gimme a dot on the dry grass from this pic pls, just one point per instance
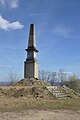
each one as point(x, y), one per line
point(16, 98)
point(31, 82)
point(26, 91)
point(19, 104)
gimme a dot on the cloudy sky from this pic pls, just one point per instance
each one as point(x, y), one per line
point(57, 31)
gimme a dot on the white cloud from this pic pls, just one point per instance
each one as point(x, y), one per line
point(62, 31)
point(5, 66)
point(68, 73)
point(35, 14)
point(2, 2)
point(6, 25)
point(66, 31)
point(13, 3)
point(10, 3)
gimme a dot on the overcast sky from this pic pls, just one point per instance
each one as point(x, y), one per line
point(57, 32)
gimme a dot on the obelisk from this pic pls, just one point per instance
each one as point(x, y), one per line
point(31, 66)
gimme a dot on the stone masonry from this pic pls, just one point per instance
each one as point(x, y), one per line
point(31, 66)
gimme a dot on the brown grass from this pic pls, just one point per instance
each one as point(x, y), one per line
point(22, 103)
point(16, 98)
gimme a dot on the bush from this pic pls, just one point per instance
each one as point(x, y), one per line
point(73, 83)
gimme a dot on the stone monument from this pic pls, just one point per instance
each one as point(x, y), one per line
point(31, 66)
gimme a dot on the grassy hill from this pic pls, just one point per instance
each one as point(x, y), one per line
point(33, 94)
point(31, 82)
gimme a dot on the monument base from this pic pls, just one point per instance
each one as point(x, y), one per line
point(31, 69)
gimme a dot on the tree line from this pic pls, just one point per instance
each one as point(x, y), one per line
point(62, 77)
point(52, 77)
point(68, 79)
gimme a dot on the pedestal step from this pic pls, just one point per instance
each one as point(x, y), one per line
point(59, 94)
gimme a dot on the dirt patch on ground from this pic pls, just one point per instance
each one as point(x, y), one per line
point(41, 115)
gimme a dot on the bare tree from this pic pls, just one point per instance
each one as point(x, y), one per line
point(62, 75)
point(13, 77)
point(53, 77)
point(47, 76)
point(44, 75)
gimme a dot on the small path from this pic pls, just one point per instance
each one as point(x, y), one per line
point(41, 115)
